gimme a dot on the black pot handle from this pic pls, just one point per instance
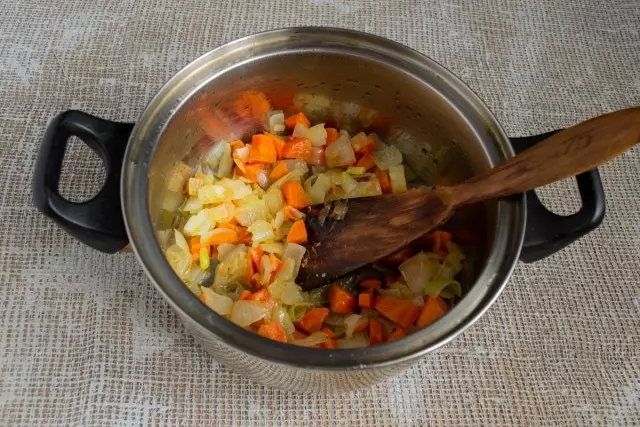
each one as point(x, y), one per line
point(97, 222)
point(547, 232)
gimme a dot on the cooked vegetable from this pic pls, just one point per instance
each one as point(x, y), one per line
point(233, 229)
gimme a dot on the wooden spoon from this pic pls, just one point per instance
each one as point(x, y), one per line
point(379, 226)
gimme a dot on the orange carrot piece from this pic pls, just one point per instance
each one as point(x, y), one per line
point(278, 142)
point(363, 144)
point(362, 325)
point(433, 309)
point(365, 299)
point(329, 343)
point(375, 332)
point(371, 284)
point(202, 298)
point(276, 264)
point(404, 312)
point(396, 334)
point(224, 236)
point(298, 233)
point(328, 331)
point(256, 255)
point(341, 301)
point(245, 295)
point(313, 319)
point(297, 148)
point(236, 144)
point(292, 121)
point(261, 295)
point(263, 149)
point(273, 330)
point(295, 195)
point(332, 135)
point(385, 182)
point(194, 248)
point(366, 162)
point(279, 171)
point(438, 240)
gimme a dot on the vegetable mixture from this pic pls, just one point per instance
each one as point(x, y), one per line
point(244, 218)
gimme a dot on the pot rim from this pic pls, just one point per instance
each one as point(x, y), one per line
point(510, 213)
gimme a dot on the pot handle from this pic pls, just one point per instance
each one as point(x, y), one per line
point(547, 232)
point(97, 222)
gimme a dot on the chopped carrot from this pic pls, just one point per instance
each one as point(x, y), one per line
point(340, 300)
point(295, 195)
point(278, 142)
point(328, 331)
point(297, 335)
point(261, 295)
point(375, 332)
point(229, 226)
point(279, 171)
point(252, 105)
point(366, 162)
point(438, 241)
point(292, 121)
point(363, 144)
point(313, 319)
point(433, 309)
point(292, 213)
point(332, 135)
point(263, 149)
point(297, 148)
point(399, 257)
point(251, 272)
point(396, 334)
point(203, 298)
point(256, 255)
point(365, 299)
point(402, 311)
point(252, 171)
point(276, 264)
point(194, 248)
point(274, 331)
point(371, 284)
point(236, 144)
point(245, 295)
point(298, 233)
point(223, 236)
point(329, 343)
point(385, 182)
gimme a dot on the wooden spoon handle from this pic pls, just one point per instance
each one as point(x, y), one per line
point(569, 152)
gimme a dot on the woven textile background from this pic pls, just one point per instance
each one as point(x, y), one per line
point(85, 339)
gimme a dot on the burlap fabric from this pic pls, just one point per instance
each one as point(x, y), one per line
point(85, 339)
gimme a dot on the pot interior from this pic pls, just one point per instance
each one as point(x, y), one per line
point(352, 81)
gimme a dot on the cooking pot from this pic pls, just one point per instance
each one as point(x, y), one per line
point(356, 81)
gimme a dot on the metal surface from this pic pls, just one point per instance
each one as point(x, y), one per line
point(355, 80)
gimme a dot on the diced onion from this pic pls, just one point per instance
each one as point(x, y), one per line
point(419, 270)
point(280, 315)
point(293, 175)
point(398, 181)
point(295, 164)
point(181, 241)
point(276, 121)
point(274, 200)
point(365, 189)
point(221, 304)
point(446, 288)
point(296, 253)
point(311, 340)
point(179, 175)
point(226, 162)
point(300, 130)
point(242, 153)
point(352, 322)
point(317, 157)
point(317, 135)
point(224, 250)
point(179, 260)
point(356, 341)
point(287, 292)
point(192, 204)
point(172, 200)
point(349, 184)
point(223, 212)
point(261, 231)
point(340, 153)
point(386, 156)
point(252, 212)
point(319, 189)
point(214, 156)
point(273, 248)
point(199, 224)
point(246, 312)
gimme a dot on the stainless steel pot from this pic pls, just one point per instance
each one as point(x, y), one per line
point(356, 80)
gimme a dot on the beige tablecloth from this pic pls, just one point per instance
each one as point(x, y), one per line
point(85, 339)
